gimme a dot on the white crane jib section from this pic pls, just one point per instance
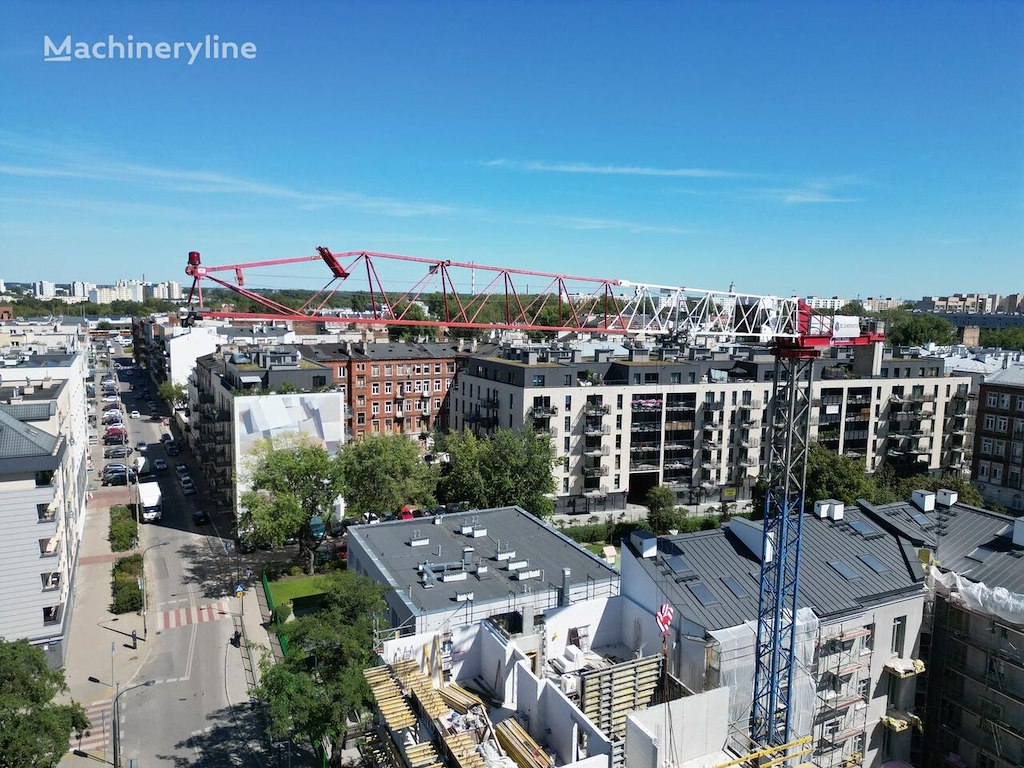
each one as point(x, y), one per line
point(697, 313)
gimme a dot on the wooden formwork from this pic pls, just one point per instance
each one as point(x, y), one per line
point(520, 746)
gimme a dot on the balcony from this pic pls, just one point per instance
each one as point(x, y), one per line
point(710, 445)
point(708, 466)
point(750, 423)
point(749, 461)
point(919, 397)
point(596, 430)
point(542, 411)
point(714, 405)
point(642, 467)
point(489, 401)
point(599, 471)
point(596, 409)
point(681, 407)
point(596, 493)
point(553, 431)
point(750, 442)
point(752, 405)
point(679, 426)
point(596, 450)
point(47, 513)
point(645, 405)
point(49, 547)
point(52, 614)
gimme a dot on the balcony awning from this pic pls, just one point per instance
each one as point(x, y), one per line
point(902, 668)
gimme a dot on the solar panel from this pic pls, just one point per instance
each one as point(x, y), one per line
point(844, 570)
point(735, 587)
point(702, 593)
point(873, 563)
point(979, 554)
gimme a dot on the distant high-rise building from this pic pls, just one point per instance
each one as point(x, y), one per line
point(877, 305)
point(173, 290)
point(79, 288)
point(961, 302)
point(831, 304)
point(44, 289)
point(3, 286)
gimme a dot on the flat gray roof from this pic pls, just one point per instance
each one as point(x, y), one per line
point(974, 542)
point(545, 548)
point(713, 578)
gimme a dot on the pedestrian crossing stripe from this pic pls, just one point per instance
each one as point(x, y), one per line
point(99, 730)
point(196, 614)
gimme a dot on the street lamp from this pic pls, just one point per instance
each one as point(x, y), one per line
point(145, 632)
point(117, 718)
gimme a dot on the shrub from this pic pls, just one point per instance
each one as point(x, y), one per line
point(124, 531)
point(296, 570)
point(282, 612)
point(125, 584)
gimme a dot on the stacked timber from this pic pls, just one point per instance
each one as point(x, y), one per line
point(520, 746)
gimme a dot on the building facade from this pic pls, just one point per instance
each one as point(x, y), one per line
point(697, 421)
point(43, 476)
point(998, 462)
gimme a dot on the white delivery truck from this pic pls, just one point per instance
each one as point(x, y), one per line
point(151, 501)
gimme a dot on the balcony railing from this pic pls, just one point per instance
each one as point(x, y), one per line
point(596, 493)
point(752, 405)
point(596, 430)
point(543, 411)
point(599, 471)
point(596, 409)
point(646, 405)
point(643, 467)
point(714, 405)
point(596, 450)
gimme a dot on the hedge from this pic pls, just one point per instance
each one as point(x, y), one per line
point(124, 531)
point(125, 584)
point(593, 532)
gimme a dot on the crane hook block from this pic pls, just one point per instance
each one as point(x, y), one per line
point(332, 262)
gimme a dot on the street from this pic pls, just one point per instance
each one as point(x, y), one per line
point(197, 712)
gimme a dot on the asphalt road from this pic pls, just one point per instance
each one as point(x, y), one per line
point(198, 712)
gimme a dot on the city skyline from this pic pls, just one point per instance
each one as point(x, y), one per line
point(869, 151)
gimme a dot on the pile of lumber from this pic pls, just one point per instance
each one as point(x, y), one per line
point(520, 746)
point(459, 699)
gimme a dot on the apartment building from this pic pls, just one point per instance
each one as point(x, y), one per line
point(391, 387)
point(972, 635)
point(30, 337)
point(961, 302)
point(43, 475)
point(237, 398)
point(823, 304)
point(861, 607)
point(998, 465)
point(696, 420)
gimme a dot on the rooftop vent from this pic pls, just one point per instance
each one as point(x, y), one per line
point(836, 510)
point(1018, 532)
point(532, 573)
point(507, 555)
point(645, 542)
point(946, 498)
point(464, 597)
point(515, 565)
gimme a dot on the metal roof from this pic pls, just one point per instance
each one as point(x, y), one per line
point(19, 440)
point(512, 528)
point(35, 411)
point(1013, 376)
point(954, 533)
point(716, 555)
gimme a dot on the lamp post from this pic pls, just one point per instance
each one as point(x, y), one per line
point(117, 719)
point(145, 631)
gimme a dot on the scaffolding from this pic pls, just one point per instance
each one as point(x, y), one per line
point(844, 666)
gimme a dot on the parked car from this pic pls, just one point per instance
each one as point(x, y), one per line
point(115, 467)
point(188, 488)
point(166, 438)
point(172, 450)
point(317, 527)
point(181, 468)
point(142, 445)
point(134, 415)
point(200, 516)
point(159, 465)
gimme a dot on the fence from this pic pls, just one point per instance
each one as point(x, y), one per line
point(273, 613)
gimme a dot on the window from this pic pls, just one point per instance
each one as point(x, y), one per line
point(616, 481)
point(360, 367)
point(567, 380)
point(387, 406)
point(650, 378)
point(565, 464)
point(538, 380)
point(360, 418)
point(437, 367)
point(618, 402)
point(734, 586)
point(388, 370)
point(568, 402)
point(565, 485)
point(636, 378)
point(864, 688)
point(986, 445)
point(676, 377)
point(360, 381)
point(437, 385)
point(375, 370)
point(566, 443)
point(702, 593)
point(387, 387)
point(873, 563)
point(899, 635)
point(375, 388)
point(618, 461)
point(375, 408)
point(319, 381)
point(844, 570)
point(46, 515)
point(375, 425)
point(568, 423)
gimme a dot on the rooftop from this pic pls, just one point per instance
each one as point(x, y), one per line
point(19, 440)
point(974, 542)
point(713, 576)
point(507, 528)
point(1012, 376)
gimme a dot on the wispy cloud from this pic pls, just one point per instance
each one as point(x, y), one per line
point(589, 223)
point(611, 170)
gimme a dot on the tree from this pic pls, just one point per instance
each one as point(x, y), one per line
point(384, 472)
point(916, 329)
point(854, 308)
point(408, 332)
point(290, 484)
point(175, 395)
point(505, 468)
point(461, 479)
point(320, 682)
point(830, 476)
point(34, 730)
point(1005, 338)
point(661, 509)
point(892, 488)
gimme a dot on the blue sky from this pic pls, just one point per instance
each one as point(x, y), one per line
point(846, 148)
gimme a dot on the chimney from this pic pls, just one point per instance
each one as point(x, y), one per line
point(923, 500)
point(822, 507)
point(566, 573)
point(836, 510)
point(946, 498)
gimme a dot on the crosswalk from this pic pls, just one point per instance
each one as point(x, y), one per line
point(100, 728)
point(186, 615)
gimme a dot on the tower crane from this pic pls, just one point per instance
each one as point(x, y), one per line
point(585, 305)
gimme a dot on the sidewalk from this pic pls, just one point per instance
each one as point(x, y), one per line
point(100, 652)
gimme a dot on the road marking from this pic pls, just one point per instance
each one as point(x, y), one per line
point(100, 727)
point(173, 618)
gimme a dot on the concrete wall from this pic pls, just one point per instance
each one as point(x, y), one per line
point(699, 726)
point(183, 350)
point(602, 617)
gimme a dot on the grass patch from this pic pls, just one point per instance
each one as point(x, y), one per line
point(292, 587)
